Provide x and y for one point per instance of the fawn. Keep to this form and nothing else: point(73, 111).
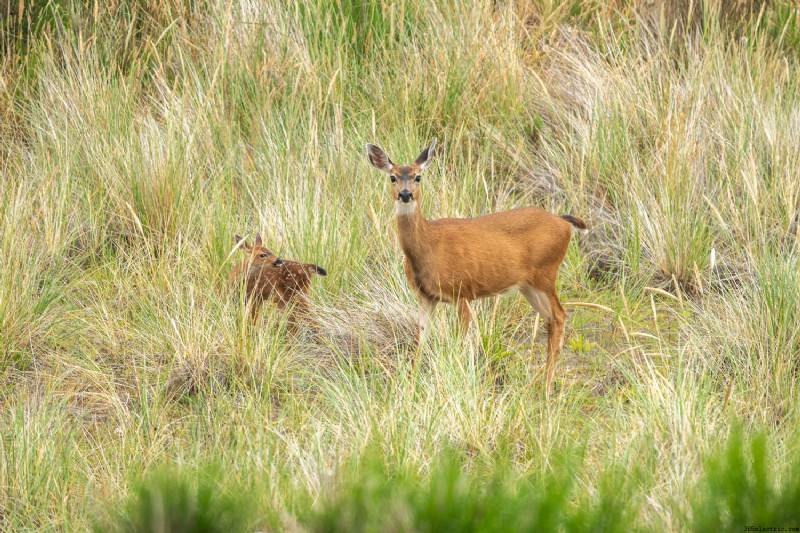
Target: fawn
point(456, 260)
point(269, 277)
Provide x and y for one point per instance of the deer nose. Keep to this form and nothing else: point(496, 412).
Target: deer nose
point(405, 196)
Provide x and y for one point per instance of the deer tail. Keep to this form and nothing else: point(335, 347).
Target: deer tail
point(575, 221)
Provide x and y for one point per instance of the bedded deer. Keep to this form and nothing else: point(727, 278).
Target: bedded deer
point(268, 277)
point(456, 260)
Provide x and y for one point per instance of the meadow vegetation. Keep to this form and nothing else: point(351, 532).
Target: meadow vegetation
point(137, 137)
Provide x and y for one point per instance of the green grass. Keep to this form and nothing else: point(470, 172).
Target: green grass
point(458, 492)
point(137, 138)
point(180, 501)
point(741, 487)
point(448, 498)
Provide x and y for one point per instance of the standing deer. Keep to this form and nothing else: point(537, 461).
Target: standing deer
point(268, 277)
point(457, 260)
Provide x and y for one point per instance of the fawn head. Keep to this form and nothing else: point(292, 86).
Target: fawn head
point(260, 259)
point(405, 178)
point(259, 256)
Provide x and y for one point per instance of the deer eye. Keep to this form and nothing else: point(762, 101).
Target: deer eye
point(418, 178)
point(393, 178)
point(263, 256)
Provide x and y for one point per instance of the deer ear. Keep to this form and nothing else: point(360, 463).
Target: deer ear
point(259, 242)
point(239, 239)
point(425, 157)
point(379, 158)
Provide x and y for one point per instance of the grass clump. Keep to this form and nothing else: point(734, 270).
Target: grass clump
point(171, 500)
point(742, 488)
point(454, 497)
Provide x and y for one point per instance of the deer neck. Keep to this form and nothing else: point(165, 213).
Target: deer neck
point(412, 232)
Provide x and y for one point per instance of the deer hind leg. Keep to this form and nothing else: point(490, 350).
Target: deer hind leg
point(555, 338)
point(548, 305)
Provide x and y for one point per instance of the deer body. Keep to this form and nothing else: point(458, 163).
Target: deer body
point(267, 277)
point(457, 260)
point(471, 258)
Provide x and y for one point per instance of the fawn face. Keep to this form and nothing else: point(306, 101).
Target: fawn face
point(405, 178)
point(259, 257)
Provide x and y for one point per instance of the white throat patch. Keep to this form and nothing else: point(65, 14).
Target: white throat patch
point(406, 209)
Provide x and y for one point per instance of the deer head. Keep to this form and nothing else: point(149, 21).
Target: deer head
point(405, 178)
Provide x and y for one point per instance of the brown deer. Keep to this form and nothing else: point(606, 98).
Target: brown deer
point(268, 277)
point(456, 260)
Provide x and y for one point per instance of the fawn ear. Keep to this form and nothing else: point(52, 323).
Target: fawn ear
point(424, 159)
point(239, 239)
point(259, 242)
point(379, 158)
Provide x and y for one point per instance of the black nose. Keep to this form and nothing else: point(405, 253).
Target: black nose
point(405, 196)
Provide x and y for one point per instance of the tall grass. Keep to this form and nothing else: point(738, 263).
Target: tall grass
point(138, 137)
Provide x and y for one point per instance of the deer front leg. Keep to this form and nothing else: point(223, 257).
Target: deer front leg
point(255, 307)
point(301, 311)
point(464, 315)
point(426, 308)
